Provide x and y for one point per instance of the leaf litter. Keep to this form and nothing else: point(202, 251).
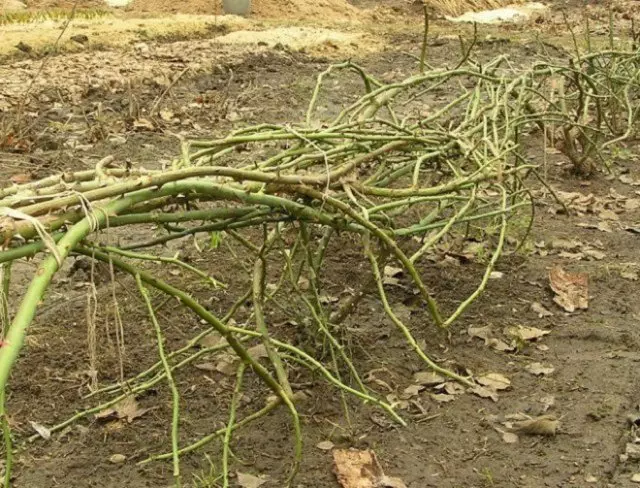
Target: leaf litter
point(361, 469)
point(126, 409)
point(571, 289)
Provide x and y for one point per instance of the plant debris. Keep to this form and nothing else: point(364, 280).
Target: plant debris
point(571, 289)
point(361, 469)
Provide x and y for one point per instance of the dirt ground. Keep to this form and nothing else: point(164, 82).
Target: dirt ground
point(82, 106)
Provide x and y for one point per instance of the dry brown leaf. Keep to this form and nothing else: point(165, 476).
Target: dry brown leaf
point(526, 333)
point(411, 391)
point(42, 431)
point(452, 388)
point(546, 425)
point(595, 254)
point(571, 289)
point(428, 378)
point(258, 352)
point(206, 366)
point(361, 469)
point(483, 392)
point(509, 437)
point(246, 480)
point(392, 272)
point(485, 333)
point(609, 215)
point(494, 381)
point(118, 459)
point(541, 310)
point(538, 369)
point(126, 409)
point(629, 275)
point(632, 204)
point(325, 445)
point(442, 398)
point(212, 340)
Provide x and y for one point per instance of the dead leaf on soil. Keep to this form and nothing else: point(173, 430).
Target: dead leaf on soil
point(361, 469)
point(538, 369)
point(212, 340)
point(609, 215)
point(526, 333)
point(126, 409)
point(246, 480)
point(486, 334)
point(509, 437)
point(143, 124)
point(546, 425)
point(411, 391)
point(495, 381)
point(42, 431)
point(571, 289)
point(392, 272)
point(442, 398)
point(629, 275)
point(483, 392)
point(632, 204)
point(452, 388)
point(118, 459)
point(428, 378)
point(325, 445)
point(635, 478)
point(541, 310)
point(258, 352)
point(547, 401)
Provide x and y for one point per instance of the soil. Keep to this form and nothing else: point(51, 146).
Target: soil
point(88, 111)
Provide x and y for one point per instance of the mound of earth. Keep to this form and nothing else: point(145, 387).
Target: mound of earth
point(278, 9)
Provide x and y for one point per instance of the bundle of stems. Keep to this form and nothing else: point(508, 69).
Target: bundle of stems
point(400, 170)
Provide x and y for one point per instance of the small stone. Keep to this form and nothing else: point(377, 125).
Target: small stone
point(118, 459)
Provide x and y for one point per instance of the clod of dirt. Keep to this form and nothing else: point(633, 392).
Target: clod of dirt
point(545, 425)
point(571, 289)
point(361, 469)
point(538, 369)
point(249, 481)
point(635, 478)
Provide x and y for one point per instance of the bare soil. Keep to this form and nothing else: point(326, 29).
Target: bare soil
point(595, 353)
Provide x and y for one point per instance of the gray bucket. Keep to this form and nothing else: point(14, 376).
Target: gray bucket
point(236, 7)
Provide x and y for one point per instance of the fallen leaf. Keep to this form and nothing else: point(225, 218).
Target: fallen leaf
point(546, 425)
point(595, 254)
point(509, 437)
point(629, 275)
point(541, 310)
point(258, 352)
point(428, 378)
point(632, 204)
point(249, 481)
point(166, 115)
point(127, 409)
point(392, 272)
point(526, 333)
point(591, 479)
point(635, 478)
point(571, 289)
point(496, 275)
point(452, 388)
point(143, 124)
point(494, 381)
point(206, 366)
point(484, 392)
point(539, 369)
point(608, 215)
point(42, 431)
point(411, 391)
point(547, 402)
point(117, 459)
point(325, 445)
point(212, 340)
point(485, 333)
point(442, 398)
point(604, 226)
point(565, 244)
point(361, 469)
